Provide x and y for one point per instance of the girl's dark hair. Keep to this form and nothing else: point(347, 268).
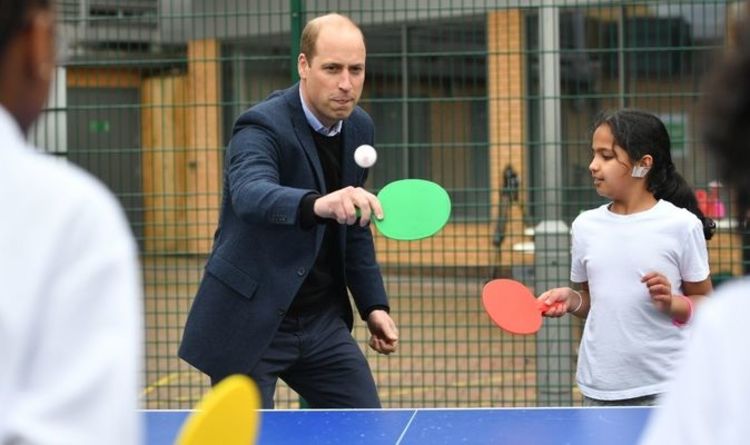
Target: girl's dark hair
point(13, 16)
point(641, 133)
point(725, 117)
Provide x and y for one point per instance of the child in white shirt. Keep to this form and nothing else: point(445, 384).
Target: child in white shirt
point(640, 263)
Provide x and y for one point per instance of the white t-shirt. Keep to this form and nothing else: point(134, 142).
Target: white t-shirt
point(628, 347)
point(70, 305)
point(707, 402)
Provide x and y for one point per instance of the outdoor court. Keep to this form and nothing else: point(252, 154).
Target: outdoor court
point(522, 426)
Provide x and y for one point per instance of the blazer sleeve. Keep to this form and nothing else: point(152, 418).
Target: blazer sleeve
point(254, 162)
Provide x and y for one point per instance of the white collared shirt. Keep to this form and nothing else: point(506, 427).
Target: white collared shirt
point(70, 308)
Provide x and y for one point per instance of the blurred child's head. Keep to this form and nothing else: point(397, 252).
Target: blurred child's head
point(726, 116)
point(27, 57)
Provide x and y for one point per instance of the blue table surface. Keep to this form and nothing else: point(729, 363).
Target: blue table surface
point(522, 426)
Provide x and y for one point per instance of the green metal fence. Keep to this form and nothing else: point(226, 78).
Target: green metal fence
point(492, 99)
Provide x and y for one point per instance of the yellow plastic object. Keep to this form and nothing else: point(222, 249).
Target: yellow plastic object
point(228, 415)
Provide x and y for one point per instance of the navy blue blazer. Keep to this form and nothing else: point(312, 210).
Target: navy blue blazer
point(261, 254)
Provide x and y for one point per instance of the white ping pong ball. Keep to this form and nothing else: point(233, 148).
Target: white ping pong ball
point(365, 156)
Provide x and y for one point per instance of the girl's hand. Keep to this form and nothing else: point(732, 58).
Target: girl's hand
point(560, 300)
point(660, 290)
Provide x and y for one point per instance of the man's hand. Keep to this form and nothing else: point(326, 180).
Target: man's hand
point(384, 334)
point(342, 206)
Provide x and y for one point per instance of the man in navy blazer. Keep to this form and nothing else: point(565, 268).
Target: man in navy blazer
point(294, 235)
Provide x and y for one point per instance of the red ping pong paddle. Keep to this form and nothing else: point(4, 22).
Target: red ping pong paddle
point(512, 306)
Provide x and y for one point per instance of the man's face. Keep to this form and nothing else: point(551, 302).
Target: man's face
point(332, 81)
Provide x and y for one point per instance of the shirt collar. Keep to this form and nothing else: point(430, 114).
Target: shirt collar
point(316, 124)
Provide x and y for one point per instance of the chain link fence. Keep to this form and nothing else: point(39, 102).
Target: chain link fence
point(491, 99)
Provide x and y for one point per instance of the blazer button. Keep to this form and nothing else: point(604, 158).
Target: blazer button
point(282, 312)
point(301, 271)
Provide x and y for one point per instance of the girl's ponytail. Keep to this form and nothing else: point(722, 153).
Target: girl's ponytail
point(671, 186)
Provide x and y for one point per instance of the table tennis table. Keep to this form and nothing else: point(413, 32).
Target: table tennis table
point(523, 426)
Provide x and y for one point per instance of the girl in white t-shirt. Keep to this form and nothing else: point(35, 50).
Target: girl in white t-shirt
point(639, 263)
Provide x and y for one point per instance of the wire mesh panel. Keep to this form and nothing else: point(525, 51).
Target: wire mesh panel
point(494, 100)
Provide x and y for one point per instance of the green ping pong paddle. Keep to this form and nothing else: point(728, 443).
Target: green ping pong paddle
point(412, 209)
point(512, 306)
point(228, 414)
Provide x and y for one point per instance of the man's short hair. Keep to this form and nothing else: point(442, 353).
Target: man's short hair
point(312, 30)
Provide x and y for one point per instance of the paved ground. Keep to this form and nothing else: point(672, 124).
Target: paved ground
point(450, 355)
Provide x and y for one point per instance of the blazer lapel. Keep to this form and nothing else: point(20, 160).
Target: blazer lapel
point(304, 136)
